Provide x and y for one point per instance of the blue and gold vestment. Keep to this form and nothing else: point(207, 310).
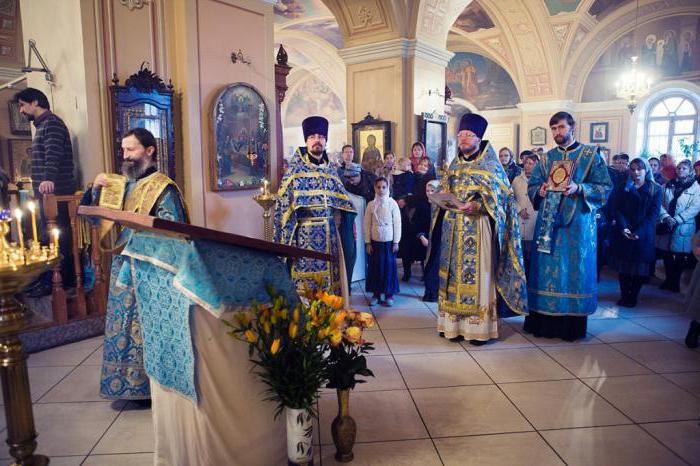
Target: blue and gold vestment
point(483, 181)
point(563, 277)
point(123, 376)
point(307, 199)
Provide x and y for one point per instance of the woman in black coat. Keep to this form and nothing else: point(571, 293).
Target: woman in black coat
point(636, 211)
point(417, 213)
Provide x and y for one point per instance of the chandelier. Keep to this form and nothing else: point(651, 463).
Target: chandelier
point(633, 85)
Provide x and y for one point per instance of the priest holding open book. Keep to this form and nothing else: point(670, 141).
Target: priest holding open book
point(140, 189)
point(481, 263)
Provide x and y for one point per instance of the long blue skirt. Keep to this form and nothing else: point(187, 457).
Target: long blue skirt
point(382, 276)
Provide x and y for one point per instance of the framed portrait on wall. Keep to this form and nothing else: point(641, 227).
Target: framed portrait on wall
point(19, 158)
point(19, 124)
point(538, 136)
point(599, 132)
point(605, 153)
point(371, 138)
point(434, 136)
point(241, 139)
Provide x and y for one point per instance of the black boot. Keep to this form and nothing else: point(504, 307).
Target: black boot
point(635, 287)
point(691, 339)
point(406, 271)
point(624, 300)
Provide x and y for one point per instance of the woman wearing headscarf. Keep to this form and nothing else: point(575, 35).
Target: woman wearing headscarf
point(692, 301)
point(412, 249)
point(679, 206)
point(668, 168)
point(418, 154)
point(507, 159)
point(636, 210)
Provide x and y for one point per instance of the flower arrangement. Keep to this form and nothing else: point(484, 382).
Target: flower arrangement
point(289, 345)
point(346, 358)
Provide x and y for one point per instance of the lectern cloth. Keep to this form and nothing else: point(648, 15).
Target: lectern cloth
point(170, 275)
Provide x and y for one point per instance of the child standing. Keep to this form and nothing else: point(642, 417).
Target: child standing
point(432, 266)
point(382, 228)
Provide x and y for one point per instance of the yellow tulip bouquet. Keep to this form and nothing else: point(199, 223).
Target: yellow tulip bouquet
point(289, 345)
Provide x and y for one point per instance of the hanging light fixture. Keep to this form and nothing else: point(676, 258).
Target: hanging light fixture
point(634, 83)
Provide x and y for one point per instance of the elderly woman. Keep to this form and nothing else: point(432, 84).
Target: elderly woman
point(635, 210)
point(505, 155)
point(679, 206)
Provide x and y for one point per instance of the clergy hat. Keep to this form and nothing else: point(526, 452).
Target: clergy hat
point(474, 123)
point(315, 125)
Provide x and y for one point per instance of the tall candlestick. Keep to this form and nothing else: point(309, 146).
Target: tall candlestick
point(265, 183)
point(55, 232)
point(32, 210)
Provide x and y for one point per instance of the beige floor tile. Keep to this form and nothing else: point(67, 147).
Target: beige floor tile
point(83, 384)
point(647, 398)
point(687, 380)
point(614, 445)
point(520, 365)
point(375, 336)
point(621, 330)
point(440, 370)
point(404, 453)
point(595, 361)
point(674, 327)
point(681, 437)
point(386, 375)
point(70, 429)
point(524, 449)
point(662, 356)
point(132, 432)
point(562, 404)
point(95, 359)
point(508, 338)
point(134, 459)
point(455, 411)
point(41, 379)
point(549, 342)
point(420, 341)
point(66, 355)
point(380, 416)
point(405, 318)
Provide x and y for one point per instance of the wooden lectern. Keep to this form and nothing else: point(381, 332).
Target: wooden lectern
point(227, 422)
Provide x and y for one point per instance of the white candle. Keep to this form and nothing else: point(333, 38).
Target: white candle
point(32, 210)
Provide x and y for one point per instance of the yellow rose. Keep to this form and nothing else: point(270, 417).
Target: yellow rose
point(251, 336)
point(336, 337)
point(322, 333)
point(293, 330)
point(365, 319)
point(353, 334)
point(275, 347)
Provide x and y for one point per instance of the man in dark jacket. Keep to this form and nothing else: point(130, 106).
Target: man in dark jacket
point(358, 181)
point(53, 172)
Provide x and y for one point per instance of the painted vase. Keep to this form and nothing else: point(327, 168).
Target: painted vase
point(343, 429)
point(300, 431)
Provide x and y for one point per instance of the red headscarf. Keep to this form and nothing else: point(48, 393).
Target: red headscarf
point(668, 167)
point(415, 161)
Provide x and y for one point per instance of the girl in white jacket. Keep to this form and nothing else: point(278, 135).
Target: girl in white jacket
point(382, 228)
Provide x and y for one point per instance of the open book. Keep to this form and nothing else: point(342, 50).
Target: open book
point(447, 201)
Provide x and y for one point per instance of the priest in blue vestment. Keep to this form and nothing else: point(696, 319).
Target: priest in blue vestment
point(147, 192)
point(481, 260)
point(562, 282)
point(310, 201)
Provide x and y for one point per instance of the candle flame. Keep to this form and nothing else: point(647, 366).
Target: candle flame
point(18, 213)
point(31, 206)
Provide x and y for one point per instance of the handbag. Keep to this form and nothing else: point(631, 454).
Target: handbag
point(663, 229)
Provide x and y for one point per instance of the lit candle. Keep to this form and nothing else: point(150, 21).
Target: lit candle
point(32, 210)
point(265, 183)
point(18, 217)
point(55, 232)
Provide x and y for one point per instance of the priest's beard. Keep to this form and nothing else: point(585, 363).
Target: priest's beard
point(469, 149)
point(134, 169)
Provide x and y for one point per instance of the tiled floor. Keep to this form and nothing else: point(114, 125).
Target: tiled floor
point(629, 394)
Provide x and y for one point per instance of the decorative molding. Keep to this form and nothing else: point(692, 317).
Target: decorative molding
point(545, 106)
point(133, 4)
point(364, 15)
point(433, 18)
point(404, 48)
point(560, 33)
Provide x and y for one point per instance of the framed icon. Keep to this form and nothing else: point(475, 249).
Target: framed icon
point(599, 132)
point(371, 139)
point(538, 136)
point(19, 124)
